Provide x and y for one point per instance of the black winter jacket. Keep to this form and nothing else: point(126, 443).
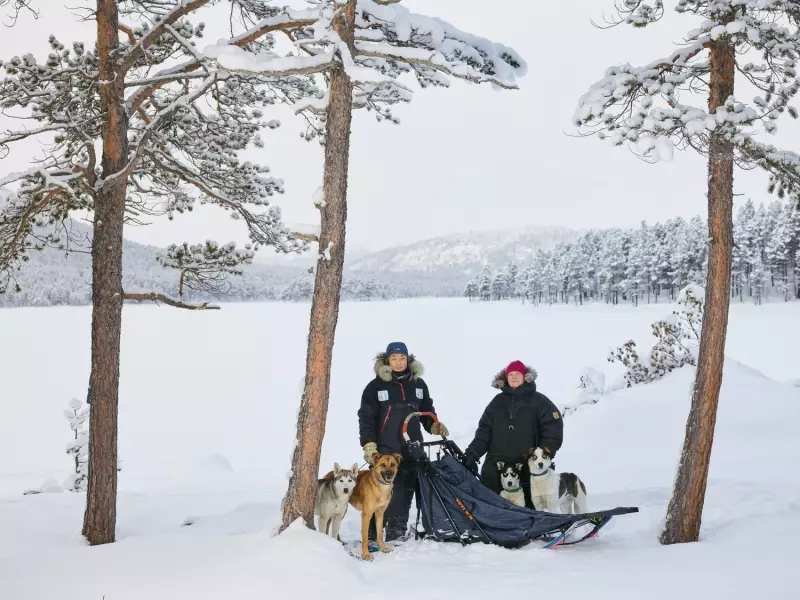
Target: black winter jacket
point(387, 401)
point(514, 421)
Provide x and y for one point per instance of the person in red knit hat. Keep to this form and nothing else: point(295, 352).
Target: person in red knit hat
point(518, 418)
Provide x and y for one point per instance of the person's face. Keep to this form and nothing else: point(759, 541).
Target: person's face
point(398, 362)
point(515, 379)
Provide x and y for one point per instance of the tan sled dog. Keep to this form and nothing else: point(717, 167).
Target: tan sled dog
point(372, 495)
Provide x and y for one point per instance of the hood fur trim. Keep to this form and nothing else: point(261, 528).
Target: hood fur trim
point(500, 380)
point(384, 371)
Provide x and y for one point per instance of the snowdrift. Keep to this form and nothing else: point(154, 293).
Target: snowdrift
point(625, 447)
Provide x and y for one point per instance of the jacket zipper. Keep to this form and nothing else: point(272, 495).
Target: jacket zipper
point(511, 415)
point(388, 412)
point(402, 391)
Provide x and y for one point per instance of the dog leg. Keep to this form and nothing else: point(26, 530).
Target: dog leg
point(581, 502)
point(337, 520)
point(379, 529)
point(552, 504)
point(324, 524)
point(365, 518)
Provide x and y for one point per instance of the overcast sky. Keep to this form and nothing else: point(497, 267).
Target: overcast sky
point(469, 157)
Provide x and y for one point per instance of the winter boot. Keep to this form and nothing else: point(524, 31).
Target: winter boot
point(396, 529)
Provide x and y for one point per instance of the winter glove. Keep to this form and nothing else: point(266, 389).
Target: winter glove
point(470, 461)
point(438, 428)
point(370, 452)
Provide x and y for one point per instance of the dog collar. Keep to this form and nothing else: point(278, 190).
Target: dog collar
point(382, 482)
point(540, 474)
point(514, 490)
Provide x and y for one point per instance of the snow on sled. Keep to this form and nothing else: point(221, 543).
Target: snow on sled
point(456, 505)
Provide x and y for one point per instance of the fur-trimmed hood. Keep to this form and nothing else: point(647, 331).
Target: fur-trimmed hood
point(500, 380)
point(384, 371)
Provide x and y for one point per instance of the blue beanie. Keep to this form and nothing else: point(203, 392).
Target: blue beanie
point(396, 348)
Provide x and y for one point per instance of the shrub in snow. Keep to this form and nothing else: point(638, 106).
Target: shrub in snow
point(78, 417)
point(592, 386)
point(78, 448)
point(676, 339)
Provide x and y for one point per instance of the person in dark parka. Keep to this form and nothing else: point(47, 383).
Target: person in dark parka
point(518, 418)
point(397, 390)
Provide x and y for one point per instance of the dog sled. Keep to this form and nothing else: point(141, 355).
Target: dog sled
point(455, 505)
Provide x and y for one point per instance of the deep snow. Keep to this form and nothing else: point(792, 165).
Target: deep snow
point(208, 403)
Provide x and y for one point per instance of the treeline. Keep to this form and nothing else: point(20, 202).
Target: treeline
point(654, 262)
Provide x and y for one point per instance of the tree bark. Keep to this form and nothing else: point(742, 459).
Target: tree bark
point(301, 494)
point(99, 522)
point(686, 506)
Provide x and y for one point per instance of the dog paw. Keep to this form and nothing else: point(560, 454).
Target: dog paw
point(366, 556)
point(385, 549)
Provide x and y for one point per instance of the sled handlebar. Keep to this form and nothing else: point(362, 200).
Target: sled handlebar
point(416, 414)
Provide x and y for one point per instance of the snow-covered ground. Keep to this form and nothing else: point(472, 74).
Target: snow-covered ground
point(207, 419)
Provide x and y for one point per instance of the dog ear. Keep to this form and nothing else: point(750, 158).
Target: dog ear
point(546, 452)
point(398, 458)
point(519, 466)
point(336, 469)
point(355, 469)
point(500, 465)
point(528, 453)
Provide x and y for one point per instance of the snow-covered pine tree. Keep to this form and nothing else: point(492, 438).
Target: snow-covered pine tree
point(791, 219)
point(500, 285)
point(173, 124)
point(512, 272)
point(78, 448)
point(363, 47)
point(485, 283)
point(522, 285)
point(646, 106)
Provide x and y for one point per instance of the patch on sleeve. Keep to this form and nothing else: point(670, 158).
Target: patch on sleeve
point(556, 415)
point(383, 395)
point(420, 394)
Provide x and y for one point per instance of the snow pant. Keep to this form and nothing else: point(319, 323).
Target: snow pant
point(395, 519)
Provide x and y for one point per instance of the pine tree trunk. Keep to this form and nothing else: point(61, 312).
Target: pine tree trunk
point(300, 497)
point(99, 522)
point(686, 506)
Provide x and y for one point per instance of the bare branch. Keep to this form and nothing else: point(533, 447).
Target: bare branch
point(161, 298)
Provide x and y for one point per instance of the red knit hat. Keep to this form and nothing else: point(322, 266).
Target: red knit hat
point(516, 367)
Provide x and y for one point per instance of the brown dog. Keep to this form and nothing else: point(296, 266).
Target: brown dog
point(371, 496)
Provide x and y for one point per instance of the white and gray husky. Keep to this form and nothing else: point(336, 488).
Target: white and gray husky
point(333, 496)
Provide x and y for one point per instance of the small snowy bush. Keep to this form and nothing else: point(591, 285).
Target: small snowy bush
point(676, 338)
point(78, 448)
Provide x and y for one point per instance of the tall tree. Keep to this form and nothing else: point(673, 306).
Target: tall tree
point(131, 136)
point(646, 106)
point(363, 47)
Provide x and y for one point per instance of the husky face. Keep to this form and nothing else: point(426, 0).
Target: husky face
point(344, 480)
point(510, 475)
point(539, 460)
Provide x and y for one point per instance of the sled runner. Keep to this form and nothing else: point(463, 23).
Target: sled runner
point(455, 505)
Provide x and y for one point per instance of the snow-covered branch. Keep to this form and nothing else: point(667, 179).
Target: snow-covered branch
point(646, 106)
point(390, 41)
point(205, 267)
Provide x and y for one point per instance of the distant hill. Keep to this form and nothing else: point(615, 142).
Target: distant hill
point(52, 277)
point(464, 254)
point(435, 267)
